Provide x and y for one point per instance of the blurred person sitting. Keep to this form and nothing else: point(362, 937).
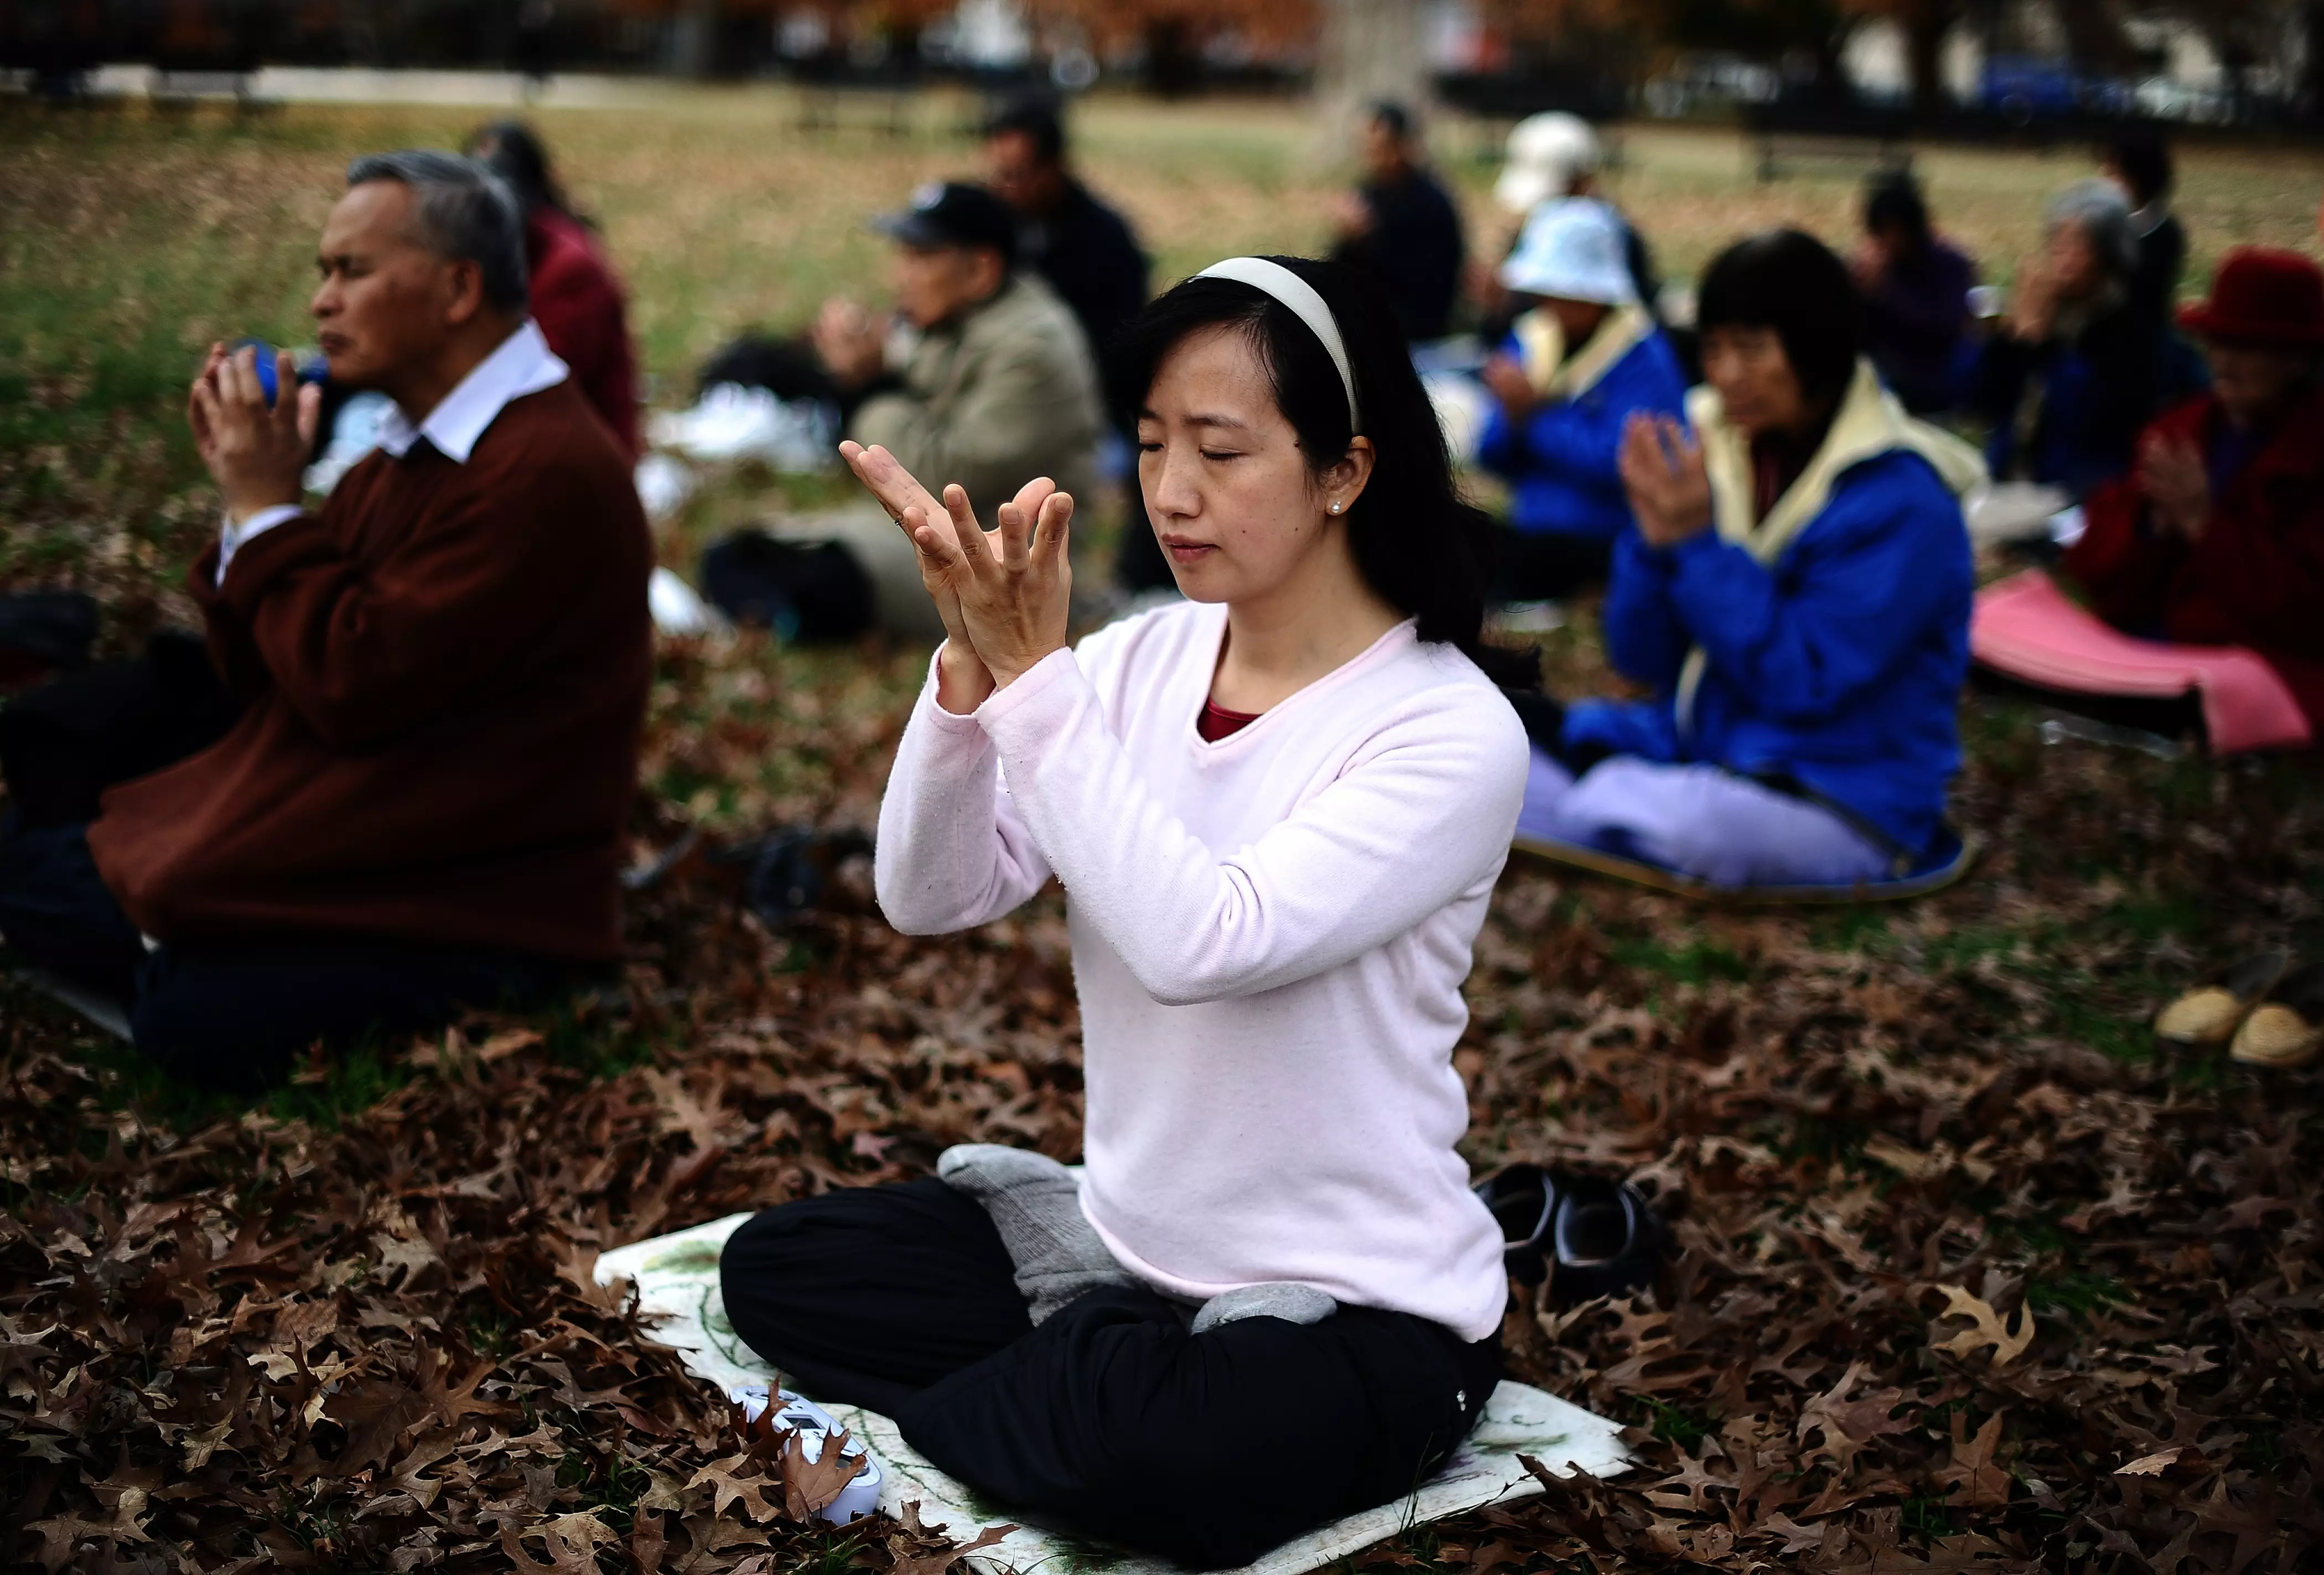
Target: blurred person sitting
point(998, 382)
point(1581, 361)
point(441, 678)
point(1401, 225)
point(2218, 537)
point(1549, 156)
point(988, 380)
point(577, 301)
point(1797, 591)
point(2073, 374)
point(1915, 288)
point(1085, 249)
point(1090, 256)
point(2139, 163)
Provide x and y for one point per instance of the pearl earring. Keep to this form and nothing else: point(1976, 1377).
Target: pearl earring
point(1336, 506)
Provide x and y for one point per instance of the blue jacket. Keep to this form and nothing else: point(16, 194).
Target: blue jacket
point(1839, 668)
point(2099, 390)
point(1561, 459)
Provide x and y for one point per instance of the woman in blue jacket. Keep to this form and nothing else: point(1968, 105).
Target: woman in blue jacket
point(1575, 369)
point(1797, 591)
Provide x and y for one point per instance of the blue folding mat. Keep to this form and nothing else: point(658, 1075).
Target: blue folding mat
point(1944, 866)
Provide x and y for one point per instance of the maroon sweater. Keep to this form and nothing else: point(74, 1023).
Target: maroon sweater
point(444, 677)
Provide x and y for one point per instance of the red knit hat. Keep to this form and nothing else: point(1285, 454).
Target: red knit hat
point(2263, 295)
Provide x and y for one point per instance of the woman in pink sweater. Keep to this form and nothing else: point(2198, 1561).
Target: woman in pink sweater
point(1278, 809)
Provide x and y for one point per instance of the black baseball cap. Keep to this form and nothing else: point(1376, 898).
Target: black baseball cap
point(953, 212)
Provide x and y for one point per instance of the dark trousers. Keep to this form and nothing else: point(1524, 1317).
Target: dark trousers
point(1110, 1418)
point(1546, 566)
point(235, 1017)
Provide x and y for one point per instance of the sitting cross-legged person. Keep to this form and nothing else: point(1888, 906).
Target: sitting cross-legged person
point(1797, 592)
point(1578, 364)
point(1279, 808)
point(441, 678)
point(2218, 537)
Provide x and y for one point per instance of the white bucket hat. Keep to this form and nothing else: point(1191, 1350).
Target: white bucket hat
point(1544, 154)
point(1574, 247)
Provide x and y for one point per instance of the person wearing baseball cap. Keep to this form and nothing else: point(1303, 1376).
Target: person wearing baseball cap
point(998, 382)
point(2217, 537)
point(1579, 360)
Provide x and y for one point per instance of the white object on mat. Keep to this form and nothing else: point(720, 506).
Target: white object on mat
point(815, 1428)
point(676, 1277)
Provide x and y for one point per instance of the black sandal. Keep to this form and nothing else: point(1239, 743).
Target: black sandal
point(1586, 1236)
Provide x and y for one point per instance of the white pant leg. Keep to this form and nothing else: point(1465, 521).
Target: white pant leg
point(1709, 824)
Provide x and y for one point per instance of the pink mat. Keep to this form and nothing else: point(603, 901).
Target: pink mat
point(2027, 628)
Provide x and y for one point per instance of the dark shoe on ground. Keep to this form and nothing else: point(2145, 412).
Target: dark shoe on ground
point(1587, 1236)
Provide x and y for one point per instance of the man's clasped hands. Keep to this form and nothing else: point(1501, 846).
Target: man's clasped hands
point(1003, 593)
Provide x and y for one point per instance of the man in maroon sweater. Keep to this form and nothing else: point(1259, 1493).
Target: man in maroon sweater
point(442, 678)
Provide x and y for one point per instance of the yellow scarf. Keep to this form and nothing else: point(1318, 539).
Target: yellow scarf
point(1541, 349)
point(1868, 422)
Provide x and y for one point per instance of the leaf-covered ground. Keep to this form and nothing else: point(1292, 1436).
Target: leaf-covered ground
point(1969, 1275)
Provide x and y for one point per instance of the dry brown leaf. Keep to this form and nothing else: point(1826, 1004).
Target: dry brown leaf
point(2008, 1341)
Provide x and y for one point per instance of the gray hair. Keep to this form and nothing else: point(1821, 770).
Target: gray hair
point(2103, 214)
point(464, 212)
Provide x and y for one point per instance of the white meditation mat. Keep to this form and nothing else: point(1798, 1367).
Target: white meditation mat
point(677, 1278)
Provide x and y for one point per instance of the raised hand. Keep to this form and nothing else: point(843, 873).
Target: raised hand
point(2178, 488)
point(1013, 600)
point(1663, 472)
point(257, 454)
point(964, 680)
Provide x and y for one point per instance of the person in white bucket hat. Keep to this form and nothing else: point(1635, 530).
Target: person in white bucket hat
point(1580, 358)
point(1548, 157)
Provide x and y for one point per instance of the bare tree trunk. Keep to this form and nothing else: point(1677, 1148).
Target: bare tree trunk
point(1372, 49)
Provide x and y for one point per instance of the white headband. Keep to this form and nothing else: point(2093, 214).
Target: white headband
point(1300, 298)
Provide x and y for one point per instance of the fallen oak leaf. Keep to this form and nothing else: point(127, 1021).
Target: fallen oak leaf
point(573, 1541)
point(2151, 1465)
point(1973, 1477)
point(809, 1485)
point(728, 1488)
point(2008, 1341)
point(936, 1563)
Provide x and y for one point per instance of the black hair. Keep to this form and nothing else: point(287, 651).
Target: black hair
point(1036, 118)
point(1396, 117)
point(1892, 201)
point(2143, 160)
point(511, 149)
point(1791, 283)
point(1416, 543)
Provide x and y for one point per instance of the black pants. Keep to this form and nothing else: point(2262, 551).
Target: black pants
point(1546, 566)
point(234, 1017)
point(1111, 1418)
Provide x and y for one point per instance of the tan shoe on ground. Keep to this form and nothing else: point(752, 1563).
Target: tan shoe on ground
point(2209, 1015)
point(2287, 1029)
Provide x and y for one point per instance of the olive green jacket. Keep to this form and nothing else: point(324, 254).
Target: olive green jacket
point(1006, 392)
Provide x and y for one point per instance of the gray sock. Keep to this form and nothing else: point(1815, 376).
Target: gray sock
point(1293, 1304)
point(1036, 1205)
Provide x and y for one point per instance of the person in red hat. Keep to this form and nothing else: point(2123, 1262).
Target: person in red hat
point(2216, 538)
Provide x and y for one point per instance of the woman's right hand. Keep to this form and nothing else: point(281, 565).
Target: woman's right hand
point(1668, 484)
point(963, 680)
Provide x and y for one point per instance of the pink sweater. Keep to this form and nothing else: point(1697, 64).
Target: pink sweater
point(1270, 937)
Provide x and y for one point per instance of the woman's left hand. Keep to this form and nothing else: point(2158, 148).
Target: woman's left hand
point(1014, 602)
point(1664, 474)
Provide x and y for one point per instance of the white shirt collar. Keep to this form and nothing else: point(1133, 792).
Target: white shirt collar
point(523, 364)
